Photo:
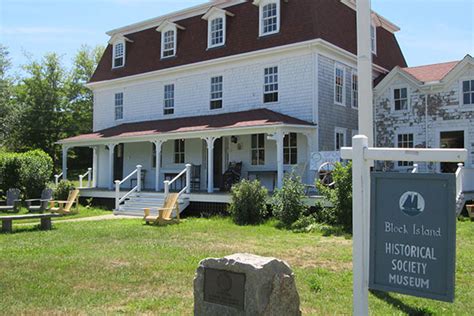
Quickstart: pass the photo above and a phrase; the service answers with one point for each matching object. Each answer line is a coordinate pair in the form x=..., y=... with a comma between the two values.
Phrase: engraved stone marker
x=245, y=284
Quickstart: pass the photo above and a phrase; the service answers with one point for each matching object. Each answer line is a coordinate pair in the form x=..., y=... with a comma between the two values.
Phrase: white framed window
x=373, y=39
x=168, y=44
x=270, y=88
x=400, y=99
x=216, y=32
x=119, y=106
x=168, y=99
x=217, y=84
x=179, y=150
x=405, y=141
x=339, y=84
x=468, y=92
x=258, y=149
x=340, y=138
x=355, y=90
x=118, y=55
x=290, y=149
x=269, y=16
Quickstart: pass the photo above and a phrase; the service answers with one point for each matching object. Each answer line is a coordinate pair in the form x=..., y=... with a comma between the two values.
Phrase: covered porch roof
x=195, y=126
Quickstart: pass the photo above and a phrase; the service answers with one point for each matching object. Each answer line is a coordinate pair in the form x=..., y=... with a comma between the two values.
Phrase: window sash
x=217, y=32
x=270, y=18
x=119, y=106
x=258, y=149
x=168, y=44
x=355, y=91
x=339, y=85
x=290, y=149
x=217, y=85
x=270, y=89
x=400, y=97
x=468, y=92
x=405, y=141
x=179, y=151
x=169, y=99
x=119, y=54
x=373, y=38
x=340, y=140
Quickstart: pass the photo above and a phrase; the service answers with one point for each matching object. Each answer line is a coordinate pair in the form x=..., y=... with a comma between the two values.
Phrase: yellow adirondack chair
x=64, y=207
x=164, y=213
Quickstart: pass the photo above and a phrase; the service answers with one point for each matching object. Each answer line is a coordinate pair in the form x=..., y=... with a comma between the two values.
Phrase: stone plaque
x=413, y=234
x=224, y=288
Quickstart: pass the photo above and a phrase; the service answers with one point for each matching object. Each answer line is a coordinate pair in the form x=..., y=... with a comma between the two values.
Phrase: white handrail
x=459, y=179
x=56, y=178
x=187, y=188
x=89, y=178
x=137, y=188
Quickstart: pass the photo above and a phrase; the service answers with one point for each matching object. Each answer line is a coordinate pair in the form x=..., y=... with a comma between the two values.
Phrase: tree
x=5, y=92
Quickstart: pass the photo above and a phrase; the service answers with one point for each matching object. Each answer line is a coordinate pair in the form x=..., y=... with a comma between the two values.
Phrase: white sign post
x=363, y=157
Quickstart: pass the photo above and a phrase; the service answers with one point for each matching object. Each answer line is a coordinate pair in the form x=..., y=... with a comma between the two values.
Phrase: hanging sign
x=413, y=234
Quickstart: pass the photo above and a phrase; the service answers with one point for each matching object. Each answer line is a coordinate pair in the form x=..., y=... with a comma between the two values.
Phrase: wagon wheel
x=325, y=174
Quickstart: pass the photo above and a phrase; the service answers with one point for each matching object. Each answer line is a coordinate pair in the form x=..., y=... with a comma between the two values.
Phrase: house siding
x=445, y=113
x=332, y=115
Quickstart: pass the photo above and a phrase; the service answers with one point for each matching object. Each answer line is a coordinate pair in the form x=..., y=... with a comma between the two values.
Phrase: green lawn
x=83, y=212
x=123, y=266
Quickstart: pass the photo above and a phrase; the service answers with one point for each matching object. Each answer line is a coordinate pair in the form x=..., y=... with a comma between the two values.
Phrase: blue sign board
x=413, y=234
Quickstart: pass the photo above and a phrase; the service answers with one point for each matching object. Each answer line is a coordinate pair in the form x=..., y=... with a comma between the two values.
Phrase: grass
x=123, y=266
x=83, y=212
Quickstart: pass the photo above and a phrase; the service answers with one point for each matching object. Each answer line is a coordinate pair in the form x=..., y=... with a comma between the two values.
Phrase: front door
x=453, y=139
x=118, y=162
x=218, y=163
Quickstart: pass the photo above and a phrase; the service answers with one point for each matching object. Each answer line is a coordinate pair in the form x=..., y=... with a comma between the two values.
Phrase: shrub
x=249, y=202
x=61, y=192
x=288, y=202
x=339, y=197
x=30, y=172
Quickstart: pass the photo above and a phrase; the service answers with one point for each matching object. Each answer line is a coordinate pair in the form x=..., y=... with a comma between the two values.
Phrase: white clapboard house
x=264, y=84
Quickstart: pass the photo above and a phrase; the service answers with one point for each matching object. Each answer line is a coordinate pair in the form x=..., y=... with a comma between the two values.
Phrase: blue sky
x=432, y=30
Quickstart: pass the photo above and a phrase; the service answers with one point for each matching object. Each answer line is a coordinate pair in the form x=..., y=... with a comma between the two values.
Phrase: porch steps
x=137, y=202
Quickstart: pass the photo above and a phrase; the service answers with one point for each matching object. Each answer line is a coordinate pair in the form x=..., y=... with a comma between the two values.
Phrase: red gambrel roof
x=252, y=118
x=431, y=73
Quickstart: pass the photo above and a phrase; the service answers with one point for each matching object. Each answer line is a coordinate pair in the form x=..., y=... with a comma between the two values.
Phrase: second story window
x=339, y=85
x=169, y=99
x=468, y=92
x=216, y=92
x=119, y=106
x=400, y=99
x=373, y=38
x=119, y=55
x=355, y=90
x=168, y=44
x=270, y=92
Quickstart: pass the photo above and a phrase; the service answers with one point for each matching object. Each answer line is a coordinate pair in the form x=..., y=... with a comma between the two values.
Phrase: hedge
x=30, y=172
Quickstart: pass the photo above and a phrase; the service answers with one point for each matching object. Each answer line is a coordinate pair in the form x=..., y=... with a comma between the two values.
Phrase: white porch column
x=111, y=165
x=312, y=140
x=94, y=166
x=280, y=171
x=210, y=162
x=158, y=145
x=64, y=166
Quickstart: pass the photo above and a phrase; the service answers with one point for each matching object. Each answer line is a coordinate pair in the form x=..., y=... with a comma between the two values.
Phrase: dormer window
x=269, y=16
x=169, y=38
x=168, y=44
x=216, y=26
x=373, y=39
x=119, y=55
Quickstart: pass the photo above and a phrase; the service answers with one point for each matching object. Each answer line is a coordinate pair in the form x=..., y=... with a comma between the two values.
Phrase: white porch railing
x=137, y=188
x=187, y=188
x=88, y=174
x=459, y=180
x=56, y=178
x=415, y=168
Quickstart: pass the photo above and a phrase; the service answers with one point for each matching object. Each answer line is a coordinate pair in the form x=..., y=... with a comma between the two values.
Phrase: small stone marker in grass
x=245, y=284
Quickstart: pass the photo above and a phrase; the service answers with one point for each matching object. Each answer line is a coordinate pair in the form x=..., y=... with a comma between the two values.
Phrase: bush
x=61, y=192
x=340, y=198
x=30, y=172
x=249, y=202
x=288, y=202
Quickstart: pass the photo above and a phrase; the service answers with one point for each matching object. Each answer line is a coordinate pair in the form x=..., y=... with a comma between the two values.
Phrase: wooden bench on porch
x=45, y=221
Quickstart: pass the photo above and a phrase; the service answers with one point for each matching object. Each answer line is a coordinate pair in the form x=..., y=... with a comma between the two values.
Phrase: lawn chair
x=12, y=202
x=46, y=197
x=64, y=207
x=165, y=213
